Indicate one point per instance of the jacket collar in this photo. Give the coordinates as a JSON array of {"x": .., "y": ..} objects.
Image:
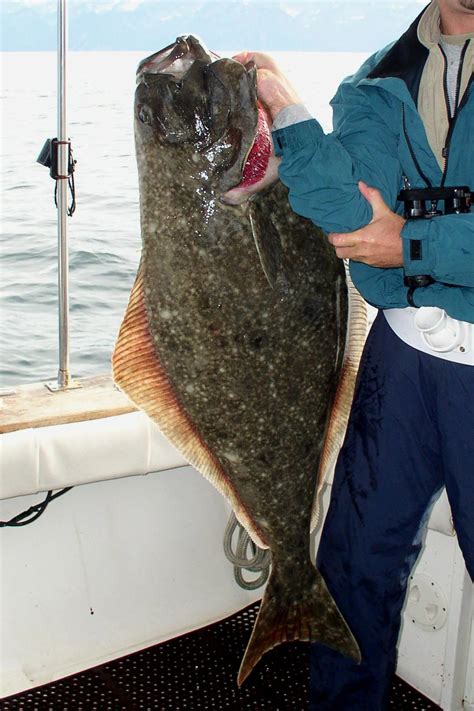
[{"x": 405, "y": 59}]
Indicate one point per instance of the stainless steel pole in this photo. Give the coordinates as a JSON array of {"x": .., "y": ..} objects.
[{"x": 64, "y": 375}]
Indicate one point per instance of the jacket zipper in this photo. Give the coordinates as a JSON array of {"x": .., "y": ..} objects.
[{"x": 452, "y": 117}]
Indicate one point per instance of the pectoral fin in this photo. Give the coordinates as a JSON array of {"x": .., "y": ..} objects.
[{"x": 268, "y": 244}]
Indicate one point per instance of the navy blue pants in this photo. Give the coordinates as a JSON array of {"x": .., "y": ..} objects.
[{"x": 411, "y": 432}]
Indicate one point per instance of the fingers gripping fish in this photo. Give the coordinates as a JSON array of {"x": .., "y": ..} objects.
[{"x": 233, "y": 341}]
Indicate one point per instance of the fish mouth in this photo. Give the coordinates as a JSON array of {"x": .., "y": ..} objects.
[{"x": 176, "y": 58}]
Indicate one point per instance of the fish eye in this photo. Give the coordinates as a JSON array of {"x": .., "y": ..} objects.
[{"x": 144, "y": 114}]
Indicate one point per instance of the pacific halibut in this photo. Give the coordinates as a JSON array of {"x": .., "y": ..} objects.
[{"x": 236, "y": 340}]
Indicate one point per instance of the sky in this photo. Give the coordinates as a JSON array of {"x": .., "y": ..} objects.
[{"x": 119, "y": 25}]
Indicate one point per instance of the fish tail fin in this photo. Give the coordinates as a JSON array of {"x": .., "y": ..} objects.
[{"x": 312, "y": 617}]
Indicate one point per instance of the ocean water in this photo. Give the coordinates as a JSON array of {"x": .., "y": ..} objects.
[{"x": 104, "y": 233}]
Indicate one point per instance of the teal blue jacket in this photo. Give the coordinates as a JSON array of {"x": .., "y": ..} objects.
[{"x": 379, "y": 137}]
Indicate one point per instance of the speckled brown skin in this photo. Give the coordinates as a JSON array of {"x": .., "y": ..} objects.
[{"x": 254, "y": 366}]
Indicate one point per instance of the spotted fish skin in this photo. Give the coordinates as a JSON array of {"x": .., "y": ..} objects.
[
  {"x": 255, "y": 368},
  {"x": 242, "y": 317}
]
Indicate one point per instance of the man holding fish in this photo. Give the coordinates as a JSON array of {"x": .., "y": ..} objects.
[{"x": 404, "y": 125}]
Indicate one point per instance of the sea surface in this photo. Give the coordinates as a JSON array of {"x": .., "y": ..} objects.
[{"x": 104, "y": 233}]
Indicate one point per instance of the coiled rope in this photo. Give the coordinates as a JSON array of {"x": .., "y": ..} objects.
[{"x": 246, "y": 556}]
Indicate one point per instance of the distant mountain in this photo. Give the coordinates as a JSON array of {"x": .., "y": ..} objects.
[{"x": 229, "y": 24}]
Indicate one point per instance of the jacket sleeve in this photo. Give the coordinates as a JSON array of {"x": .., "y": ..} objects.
[
  {"x": 447, "y": 248},
  {"x": 322, "y": 171},
  {"x": 447, "y": 254},
  {"x": 384, "y": 288}
]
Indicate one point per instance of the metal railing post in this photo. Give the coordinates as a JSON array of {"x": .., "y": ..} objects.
[{"x": 64, "y": 375}]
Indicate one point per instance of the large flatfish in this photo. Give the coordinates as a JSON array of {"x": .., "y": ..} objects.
[{"x": 236, "y": 339}]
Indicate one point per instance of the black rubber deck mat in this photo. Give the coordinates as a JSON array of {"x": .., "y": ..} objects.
[{"x": 195, "y": 672}]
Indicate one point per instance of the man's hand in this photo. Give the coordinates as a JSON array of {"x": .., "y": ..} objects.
[
  {"x": 379, "y": 243},
  {"x": 273, "y": 88}
]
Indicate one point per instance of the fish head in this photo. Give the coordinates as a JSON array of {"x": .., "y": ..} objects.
[{"x": 205, "y": 109}]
